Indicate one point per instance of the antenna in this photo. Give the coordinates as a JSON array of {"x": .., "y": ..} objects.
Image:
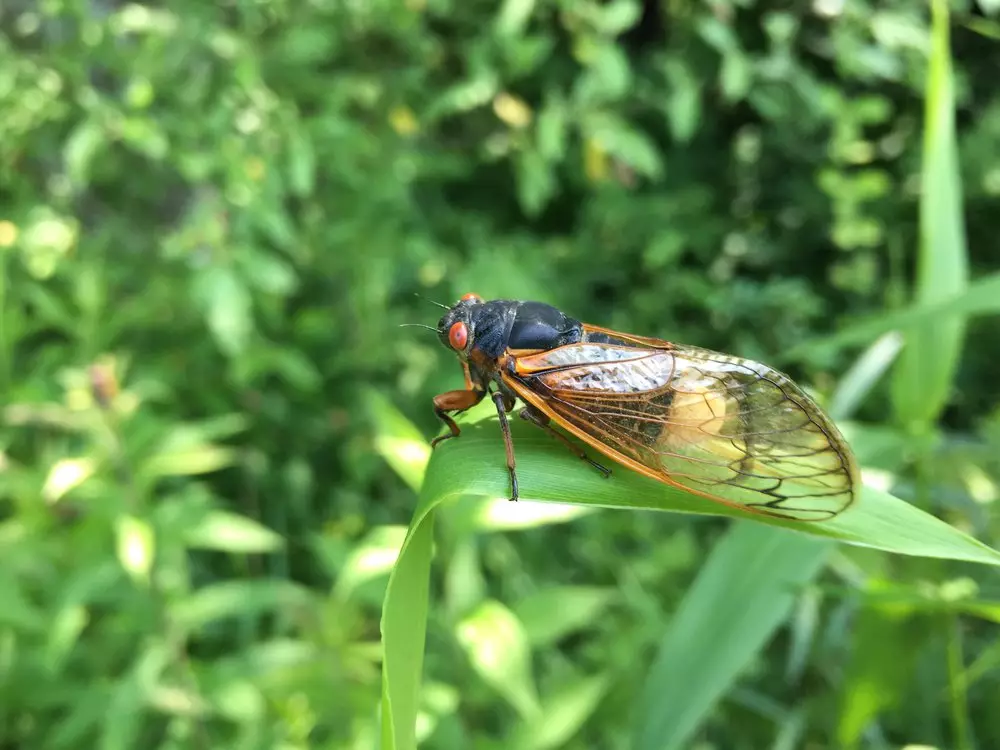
[{"x": 417, "y": 294}]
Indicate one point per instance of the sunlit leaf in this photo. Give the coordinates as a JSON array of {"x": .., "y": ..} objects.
[
  {"x": 373, "y": 556},
  {"x": 398, "y": 441},
  {"x": 195, "y": 459},
  {"x": 66, "y": 474},
  {"x": 513, "y": 16},
  {"x": 227, "y": 308},
  {"x": 136, "y": 547},
  {"x": 231, "y": 532},
  {"x": 497, "y": 647}
]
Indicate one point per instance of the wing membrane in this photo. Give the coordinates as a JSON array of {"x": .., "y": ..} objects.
[{"x": 730, "y": 429}]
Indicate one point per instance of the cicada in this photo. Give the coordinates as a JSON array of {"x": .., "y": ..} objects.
[{"x": 728, "y": 429}]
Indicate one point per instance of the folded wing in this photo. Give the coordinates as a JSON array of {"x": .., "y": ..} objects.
[{"x": 730, "y": 429}]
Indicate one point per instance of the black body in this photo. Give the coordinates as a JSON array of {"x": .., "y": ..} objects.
[
  {"x": 493, "y": 328},
  {"x": 498, "y": 325}
]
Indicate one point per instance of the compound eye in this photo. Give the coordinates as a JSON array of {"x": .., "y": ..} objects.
[
  {"x": 458, "y": 335},
  {"x": 471, "y": 296}
]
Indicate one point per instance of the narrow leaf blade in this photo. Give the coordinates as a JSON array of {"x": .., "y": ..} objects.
[{"x": 742, "y": 594}]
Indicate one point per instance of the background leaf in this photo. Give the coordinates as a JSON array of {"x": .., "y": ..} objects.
[
  {"x": 213, "y": 431},
  {"x": 744, "y": 591},
  {"x": 931, "y": 353}
]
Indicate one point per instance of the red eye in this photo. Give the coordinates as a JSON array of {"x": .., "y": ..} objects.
[
  {"x": 458, "y": 335},
  {"x": 471, "y": 296}
]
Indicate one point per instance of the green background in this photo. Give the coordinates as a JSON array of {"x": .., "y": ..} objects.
[{"x": 213, "y": 218}]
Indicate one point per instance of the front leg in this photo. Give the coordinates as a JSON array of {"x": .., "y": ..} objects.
[
  {"x": 456, "y": 402},
  {"x": 505, "y": 404}
]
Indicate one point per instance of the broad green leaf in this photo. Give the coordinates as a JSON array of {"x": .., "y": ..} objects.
[
  {"x": 497, "y": 647},
  {"x": 231, "y": 532},
  {"x": 513, "y": 16},
  {"x": 81, "y": 146},
  {"x": 192, "y": 459},
  {"x": 63, "y": 631},
  {"x": 562, "y": 714},
  {"x": 397, "y": 440},
  {"x": 683, "y": 105},
  {"x": 744, "y": 591},
  {"x": 227, "y": 308},
  {"x": 237, "y": 699},
  {"x": 620, "y": 139},
  {"x": 555, "y": 612},
  {"x": 551, "y": 130},
  {"x": 268, "y": 272},
  {"x": 926, "y": 368},
  {"x": 373, "y": 556},
  {"x": 499, "y": 514},
  {"x": 237, "y": 599},
  {"x": 618, "y": 16},
  {"x": 185, "y": 449},
  {"x": 66, "y": 474}
]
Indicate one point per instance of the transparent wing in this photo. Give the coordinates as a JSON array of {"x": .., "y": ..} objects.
[{"x": 730, "y": 429}]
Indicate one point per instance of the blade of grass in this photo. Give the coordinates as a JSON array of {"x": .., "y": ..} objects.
[
  {"x": 981, "y": 297},
  {"x": 744, "y": 591},
  {"x": 473, "y": 467},
  {"x": 959, "y": 700},
  {"x": 926, "y": 367},
  {"x": 858, "y": 382},
  {"x": 404, "y": 626}
]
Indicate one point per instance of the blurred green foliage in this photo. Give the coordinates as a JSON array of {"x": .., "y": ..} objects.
[{"x": 214, "y": 215}]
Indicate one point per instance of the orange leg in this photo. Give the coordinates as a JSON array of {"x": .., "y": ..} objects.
[{"x": 457, "y": 402}]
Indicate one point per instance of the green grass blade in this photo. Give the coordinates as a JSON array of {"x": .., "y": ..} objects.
[
  {"x": 981, "y": 297},
  {"x": 473, "y": 466},
  {"x": 864, "y": 375},
  {"x": 741, "y": 595},
  {"x": 404, "y": 626},
  {"x": 926, "y": 368}
]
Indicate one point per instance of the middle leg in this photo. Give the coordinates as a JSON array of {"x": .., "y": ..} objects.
[{"x": 530, "y": 414}]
